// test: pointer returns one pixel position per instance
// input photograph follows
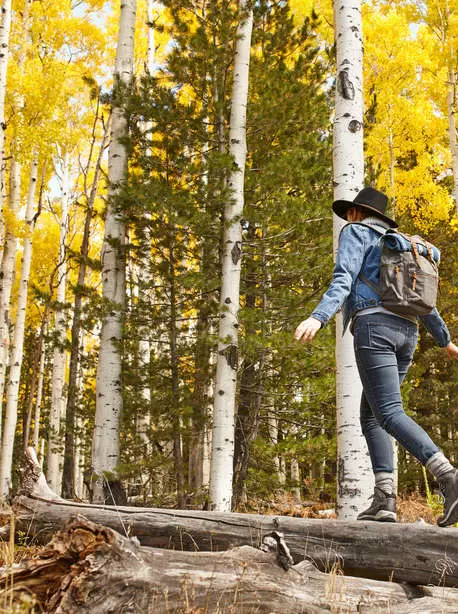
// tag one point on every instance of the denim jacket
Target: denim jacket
(359, 252)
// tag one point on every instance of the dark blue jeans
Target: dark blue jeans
(384, 345)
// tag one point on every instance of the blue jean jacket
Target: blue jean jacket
(359, 252)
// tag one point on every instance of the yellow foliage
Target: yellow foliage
(418, 194)
(406, 129)
(12, 224)
(323, 8)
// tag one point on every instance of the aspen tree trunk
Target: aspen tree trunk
(151, 50)
(8, 274)
(105, 445)
(5, 26)
(451, 111)
(56, 413)
(30, 400)
(6, 456)
(68, 477)
(36, 424)
(227, 361)
(9, 254)
(354, 473)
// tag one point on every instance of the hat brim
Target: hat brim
(340, 208)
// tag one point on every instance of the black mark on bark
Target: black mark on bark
(355, 125)
(236, 252)
(345, 86)
(231, 355)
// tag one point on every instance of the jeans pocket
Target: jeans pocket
(382, 336)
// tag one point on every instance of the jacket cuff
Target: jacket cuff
(320, 316)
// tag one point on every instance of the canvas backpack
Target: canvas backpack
(409, 275)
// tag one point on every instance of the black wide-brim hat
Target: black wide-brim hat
(368, 199)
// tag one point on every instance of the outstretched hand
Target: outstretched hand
(452, 351)
(307, 330)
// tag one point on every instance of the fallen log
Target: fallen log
(415, 553)
(89, 568)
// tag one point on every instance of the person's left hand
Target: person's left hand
(307, 330)
(452, 351)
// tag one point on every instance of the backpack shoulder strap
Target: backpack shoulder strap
(369, 283)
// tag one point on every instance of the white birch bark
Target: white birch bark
(6, 456)
(8, 275)
(151, 50)
(105, 444)
(57, 409)
(5, 27)
(227, 360)
(79, 459)
(451, 111)
(354, 478)
(9, 253)
(36, 424)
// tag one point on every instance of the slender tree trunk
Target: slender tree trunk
(9, 254)
(105, 445)
(36, 424)
(5, 26)
(451, 111)
(7, 275)
(227, 361)
(6, 457)
(177, 443)
(57, 410)
(30, 400)
(354, 473)
(68, 477)
(151, 50)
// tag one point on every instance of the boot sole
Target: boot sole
(451, 518)
(382, 516)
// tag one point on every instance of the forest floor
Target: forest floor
(410, 508)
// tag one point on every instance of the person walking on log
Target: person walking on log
(384, 344)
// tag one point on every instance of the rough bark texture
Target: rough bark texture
(73, 572)
(415, 553)
(354, 472)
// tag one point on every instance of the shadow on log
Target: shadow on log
(414, 553)
(88, 568)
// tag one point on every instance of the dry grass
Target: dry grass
(284, 504)
(414, 508)
(410, 508)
